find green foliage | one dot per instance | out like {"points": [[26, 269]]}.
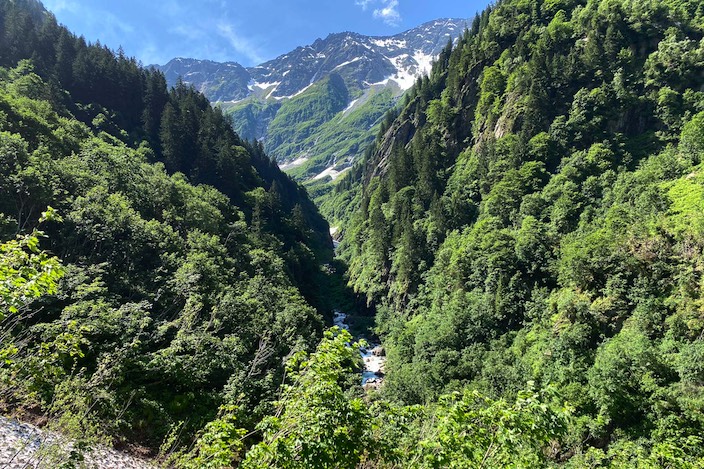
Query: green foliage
{"points": [[300, 116], [692, 139], [26, 272], [220, 445], [170, 305], [533, 213], [474, 431], [316, 424]]}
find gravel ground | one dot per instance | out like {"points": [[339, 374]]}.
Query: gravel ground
{"points": [[26, 446]]}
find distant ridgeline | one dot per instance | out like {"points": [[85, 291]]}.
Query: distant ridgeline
{"points": [[318, 107], [535, 211], [191, 262]]}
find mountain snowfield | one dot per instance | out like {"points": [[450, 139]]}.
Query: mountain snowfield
{"points": [[316, 127]]}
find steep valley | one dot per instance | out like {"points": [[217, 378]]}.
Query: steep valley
{"points": [[510, 209], [318, 107]]}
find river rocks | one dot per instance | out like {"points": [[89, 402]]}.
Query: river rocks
{"points": [[379, 351], [372, 384], [340, 320]]}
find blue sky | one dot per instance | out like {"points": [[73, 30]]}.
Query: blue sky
{"points": [[245, 31]]}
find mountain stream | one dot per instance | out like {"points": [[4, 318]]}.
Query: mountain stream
{"points": [[373, 356]]}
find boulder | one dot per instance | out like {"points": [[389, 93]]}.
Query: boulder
{"points": [[372, 384], [379, 351]]}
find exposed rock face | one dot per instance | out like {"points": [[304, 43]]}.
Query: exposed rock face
{"points": [[372, 385], [360, 60], [218, 81]]}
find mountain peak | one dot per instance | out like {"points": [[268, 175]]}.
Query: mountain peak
{"points": [[360, 60], [295, 102]]}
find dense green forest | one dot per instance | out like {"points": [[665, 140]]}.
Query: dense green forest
{"points": [[528, 229], [190, 264], [535, 213]]}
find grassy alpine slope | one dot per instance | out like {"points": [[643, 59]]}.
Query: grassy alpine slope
{"points": [[315, 127]]}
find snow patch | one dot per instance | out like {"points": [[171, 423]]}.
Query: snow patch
{"points": [[349, 107], [424, 61], [356, 59], [406, 76], [390, 42], [329, 172], [265, 86], [234, 101], [271, 86], [379, 83], [293, 164], [404, 79], [303, 90]]}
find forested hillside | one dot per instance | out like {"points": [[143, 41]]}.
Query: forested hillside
{"points": [[535, 213], [528, 228], [190, 263]]}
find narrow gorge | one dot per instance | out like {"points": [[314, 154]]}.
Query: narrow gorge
{"points": [[373, 355], [508, 210]]}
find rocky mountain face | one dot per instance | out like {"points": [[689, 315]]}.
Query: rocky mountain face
{"points": [[360, 60], [218, 81], [296, 102]]}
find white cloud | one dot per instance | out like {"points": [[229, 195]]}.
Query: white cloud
{"points": [[240, 44], [387, 11], [363, 3], [190, 32], [150, 54]]}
